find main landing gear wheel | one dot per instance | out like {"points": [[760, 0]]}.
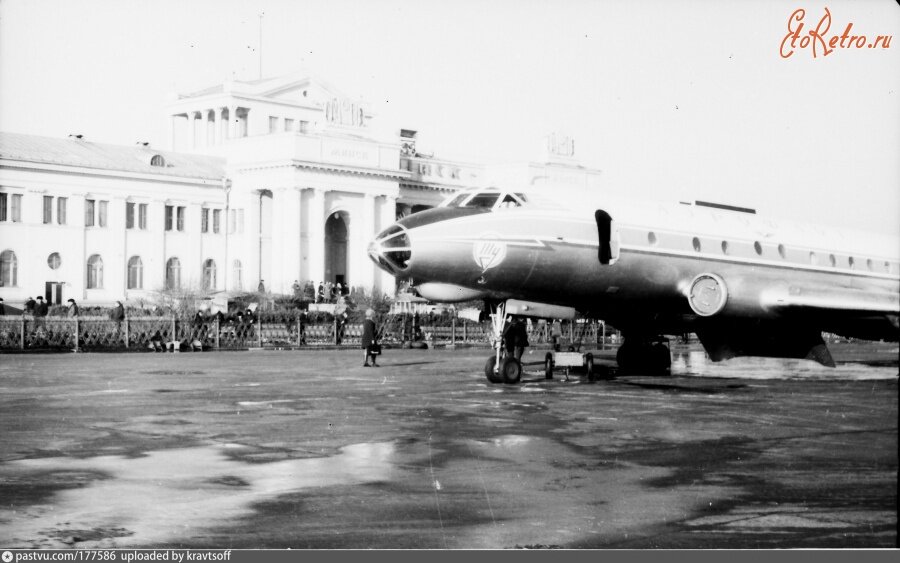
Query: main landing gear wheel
{"points": [[490, 372], [589, 367], [644, 357], [511, 370], [548, 366]]}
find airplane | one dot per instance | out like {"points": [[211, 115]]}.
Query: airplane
{"points": [[746, 285]]}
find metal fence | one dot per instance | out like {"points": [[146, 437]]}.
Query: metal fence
{"points": [[18, 333]]}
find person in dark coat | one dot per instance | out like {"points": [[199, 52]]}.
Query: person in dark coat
{"points": [[41, 309], [156, 342], [30, 304], [2, 307], [73, 308], [369, 337], [515, 338]]}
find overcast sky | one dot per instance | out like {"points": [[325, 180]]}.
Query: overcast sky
{"points": [[671, 99]]}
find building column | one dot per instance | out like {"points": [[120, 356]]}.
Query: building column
{"points": [[192, 130], [317, 235], [290, 235], [172, 128], [365, 276], [275, 277], [231, 127], [217, 125], [388, 216], [251, 241], [222, 130]]}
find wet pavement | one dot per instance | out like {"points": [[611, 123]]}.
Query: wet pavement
{"points": [[311, 450]]}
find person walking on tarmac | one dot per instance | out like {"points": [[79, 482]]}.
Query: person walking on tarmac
{"points": [[369, 338], [515, 338]]}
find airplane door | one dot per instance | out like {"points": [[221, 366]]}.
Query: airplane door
{"points": [[608, 250]]}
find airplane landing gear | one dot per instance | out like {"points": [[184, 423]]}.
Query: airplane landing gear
{"points": [[511, 370], [644, 357], [491, 372]]}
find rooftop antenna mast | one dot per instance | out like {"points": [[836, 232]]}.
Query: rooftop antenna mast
{"points": [[261, 14]]}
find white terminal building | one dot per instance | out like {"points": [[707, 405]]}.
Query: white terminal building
{"points": [[280, 180]]}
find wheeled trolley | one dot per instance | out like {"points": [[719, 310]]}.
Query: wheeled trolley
{"points": [[583, 362]]}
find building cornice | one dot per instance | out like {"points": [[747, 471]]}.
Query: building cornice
{"points": [[397, 175], [13, 164]]}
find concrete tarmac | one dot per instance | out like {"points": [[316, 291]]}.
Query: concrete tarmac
{"points": [[308, 449]]}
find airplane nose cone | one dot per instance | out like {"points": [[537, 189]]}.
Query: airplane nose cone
{"points": [[391, 250]]}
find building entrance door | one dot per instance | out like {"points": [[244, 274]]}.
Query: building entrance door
{"points": [[53, 293], [336, 248]]}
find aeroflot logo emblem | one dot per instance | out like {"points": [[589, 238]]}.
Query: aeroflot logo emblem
{"points": [[488, 253]]}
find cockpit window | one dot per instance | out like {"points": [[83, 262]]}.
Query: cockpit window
{"points": [[509, 200], [484, 199], [456, 201]]}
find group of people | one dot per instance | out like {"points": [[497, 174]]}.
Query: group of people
{"points": [[38, 308]]}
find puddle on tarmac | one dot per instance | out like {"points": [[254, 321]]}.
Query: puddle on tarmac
{"points": [[167, 494], [696, 363]]}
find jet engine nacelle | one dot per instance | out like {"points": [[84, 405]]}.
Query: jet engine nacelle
{"points": [[447, 293]]}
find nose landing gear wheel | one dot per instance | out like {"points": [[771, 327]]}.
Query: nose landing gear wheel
{"points": [[492, 375], [511, 370], [589, 367]]}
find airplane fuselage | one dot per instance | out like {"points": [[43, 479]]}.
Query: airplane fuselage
{"points": [[665, 269]]}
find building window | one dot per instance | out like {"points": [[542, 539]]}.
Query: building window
{"points": [[232, 219], [48, 209], [61, 210], [9, 269], [129, 215], [179, 213], [54, 261], [142, 216], [209, 274], [95, 272], [89, 205], [273, 124], [237, 275], [157, 160], [303, 127], [173, 273], [169, 214], [102, 213], [204, 220], [288, 124], [240, 221], [11, 207], [696, 243], [217, 215], [135, 273]]}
